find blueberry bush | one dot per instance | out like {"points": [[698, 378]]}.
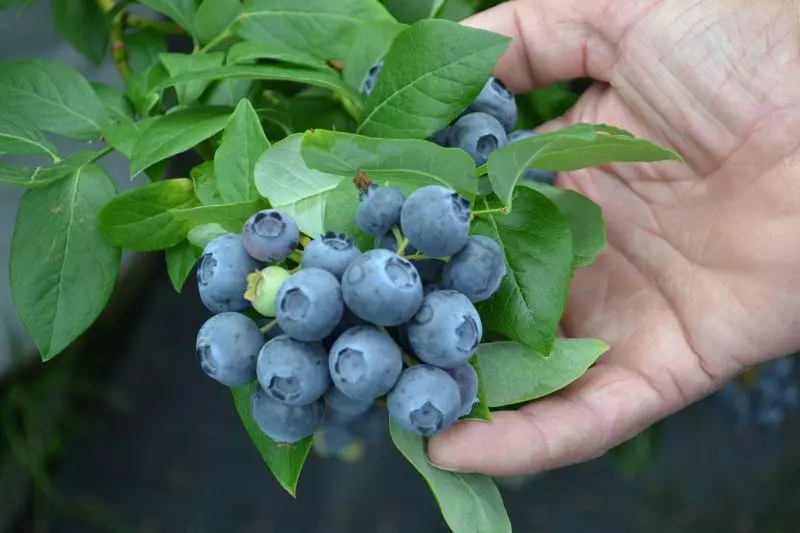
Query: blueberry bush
{"points": [[370, 230]]}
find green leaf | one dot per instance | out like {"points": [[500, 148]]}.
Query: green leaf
{"points": [[369, 43], [176, 133], [550, 102], [317, 78], [340, 208], [181, 259], [180, 11], [124, 135], [38, 177], [635, 455], [512, 373], [243, 142], [143, 88], [282, 177], [406, 163], [249, 51], [62, 272], [143, 48], [284, 460], [584, 218], [51, 96], [469, 503], [177, 64], [409, 11], [480, 410], [457, 10], [213, 17], [19, 136], [205, 184], [84, 25], [538, 247], [414, 99], [310, 110], [203, 234], [572, 148], [318, 27], [140, 219], [227, 92], [230, 216], [116, 105]]}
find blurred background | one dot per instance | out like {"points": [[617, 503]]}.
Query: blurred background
{"points": [[124, 433]]}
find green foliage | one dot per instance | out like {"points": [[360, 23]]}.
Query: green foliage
{"points": [[84, 25], [243, 142], [181, 259], [19, 136]]}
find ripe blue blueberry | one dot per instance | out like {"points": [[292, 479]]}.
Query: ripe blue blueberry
{"points": [[379, 209], [270, 235], [446, 330], [284, 423], [292, 372], [542, 176], [429, 269], [332, 252], [478, 134], [496, 100], [337, 401], [227, 348], [222, 274], [436, 221], [477, 270], [467, 380], [441, 137], [426, 400], [365, 363], [309, 304], [382, 288], [372, 78]]}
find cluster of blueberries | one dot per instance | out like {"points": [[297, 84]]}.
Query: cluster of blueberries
{"points": [[345, 322], [486, 125]]}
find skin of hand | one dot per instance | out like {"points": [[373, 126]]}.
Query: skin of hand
{"points": [[701, 278]]}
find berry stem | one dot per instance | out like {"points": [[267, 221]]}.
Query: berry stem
{"points": [[402, 248], [408, 360], [295, 269], [269, 326], [497, 211], [296, 256]]}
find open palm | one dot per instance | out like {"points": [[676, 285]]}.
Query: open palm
{"points": [[702, 273]]}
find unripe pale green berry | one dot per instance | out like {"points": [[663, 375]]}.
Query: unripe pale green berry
{"points": [[262, 289]]}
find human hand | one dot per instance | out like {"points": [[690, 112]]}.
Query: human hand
{"points": [[701, 278]]}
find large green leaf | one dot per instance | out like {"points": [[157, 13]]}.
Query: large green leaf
{"points": [[38, 177], [143, 88], [406, 163], [230, 216], [205, 183], [181, 11], [282, 177], [62, 272], [213, 17], [584, 218], [457, 10], [470, 503], [340, 208], [318, 27], [369, 43], [143, 47], [140, 219], [181, 259], [176, 133], [513, 373], [243, 142], [84, 25], [51, 96], [284, 460], [574, 147], [19, 136], [227, 92], [414, 99], [177, 64], [249, 51], [124, 135], [409, 11], [311, 110], [116, 105], [538, 248], [203, 234]]}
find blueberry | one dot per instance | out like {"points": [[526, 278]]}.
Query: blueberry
{"points": [[365, 363], [337, 401], [436, 221], [382, 288], [332, 252], [284, 423], [441, 137], [467, 380], [496, 100], [478, 134], [227, 348], [542, 176], [262, 289], [349, 320], [477, 270], [379, 209], [222, 274], [429, 269], [446, 330], [426, 400], [372, 78], [293, 372], [270, 235], [309, 304]]}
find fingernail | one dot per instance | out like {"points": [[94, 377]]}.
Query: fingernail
{"points": [[445, 468]]}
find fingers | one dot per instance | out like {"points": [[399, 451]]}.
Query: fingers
{"points": [[552, 40], [606, 407]]}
